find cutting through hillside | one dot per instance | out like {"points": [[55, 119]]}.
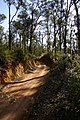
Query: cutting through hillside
{"points": [[17, 95]]}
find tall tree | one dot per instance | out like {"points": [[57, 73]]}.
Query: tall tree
{"points": [[60, 23], [17, 4], [78, 22], [31, 29]]}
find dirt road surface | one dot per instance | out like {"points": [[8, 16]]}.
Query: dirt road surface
{"points": [[18, 95]]}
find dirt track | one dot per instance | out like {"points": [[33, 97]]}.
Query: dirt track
{"points": [[21, 92]]}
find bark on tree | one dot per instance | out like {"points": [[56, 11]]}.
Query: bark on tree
{"points": [[31, 34], [9, 28], [78, 24]]}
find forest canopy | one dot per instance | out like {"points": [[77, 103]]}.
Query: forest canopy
{"points": [[42, 26]]}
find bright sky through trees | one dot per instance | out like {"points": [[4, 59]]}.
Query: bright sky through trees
{"points": [[4, 10]]}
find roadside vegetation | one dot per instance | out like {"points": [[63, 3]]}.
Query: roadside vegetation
{"points": [[59, 99]]}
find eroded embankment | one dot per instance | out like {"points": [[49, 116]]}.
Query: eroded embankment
{"points": [[14, 69], [17, 96]]}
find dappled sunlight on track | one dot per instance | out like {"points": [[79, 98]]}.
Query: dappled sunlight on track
{"points": [[23, 91]]}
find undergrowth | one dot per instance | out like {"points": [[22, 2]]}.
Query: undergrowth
{"points": [[59, 98], [6, 56], [18, 54]]}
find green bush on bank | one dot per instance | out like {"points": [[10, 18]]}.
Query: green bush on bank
{"points": [[60, 96], [5, 55], [68, 104], [18, 54]]}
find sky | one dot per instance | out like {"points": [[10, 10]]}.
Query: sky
{"points": [[4, 10]]}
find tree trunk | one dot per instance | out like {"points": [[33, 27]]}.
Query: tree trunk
{"points": [[48, 36], [9, 28], [54, 44], [60, 36], [42, 44], [78, 25], [70, 41], [60, 27], [65, 34], [31, 34]]}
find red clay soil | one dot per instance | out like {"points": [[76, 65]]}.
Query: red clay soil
{"points": [[18, 95]]}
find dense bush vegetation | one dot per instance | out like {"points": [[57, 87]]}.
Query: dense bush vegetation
{"points": [[60, 96], [6, 56], [18, 54]]}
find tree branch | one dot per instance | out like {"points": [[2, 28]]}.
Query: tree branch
{"points": [[14, 15]]}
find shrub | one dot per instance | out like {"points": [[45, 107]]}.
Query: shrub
{"points": [[60, 97], [18, 54], [5, 55]]}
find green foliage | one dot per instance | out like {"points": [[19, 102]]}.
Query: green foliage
{"points": [[75, 70], [71, 92], [60, 96], [5, 55], [68, 97], [18, 54], [38, 50], [61, 66], [2, 17]]}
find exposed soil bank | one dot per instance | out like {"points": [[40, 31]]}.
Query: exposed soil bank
{"points": [[15, 69], [17, 96]]}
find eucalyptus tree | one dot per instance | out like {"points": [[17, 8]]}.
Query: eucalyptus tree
{"points": [[63, 8], [55, 18], [77, 6], [47, 14], [65, 25], [17, 4], [46, 23], [35, 12], [60, 22], [22, 27]]}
